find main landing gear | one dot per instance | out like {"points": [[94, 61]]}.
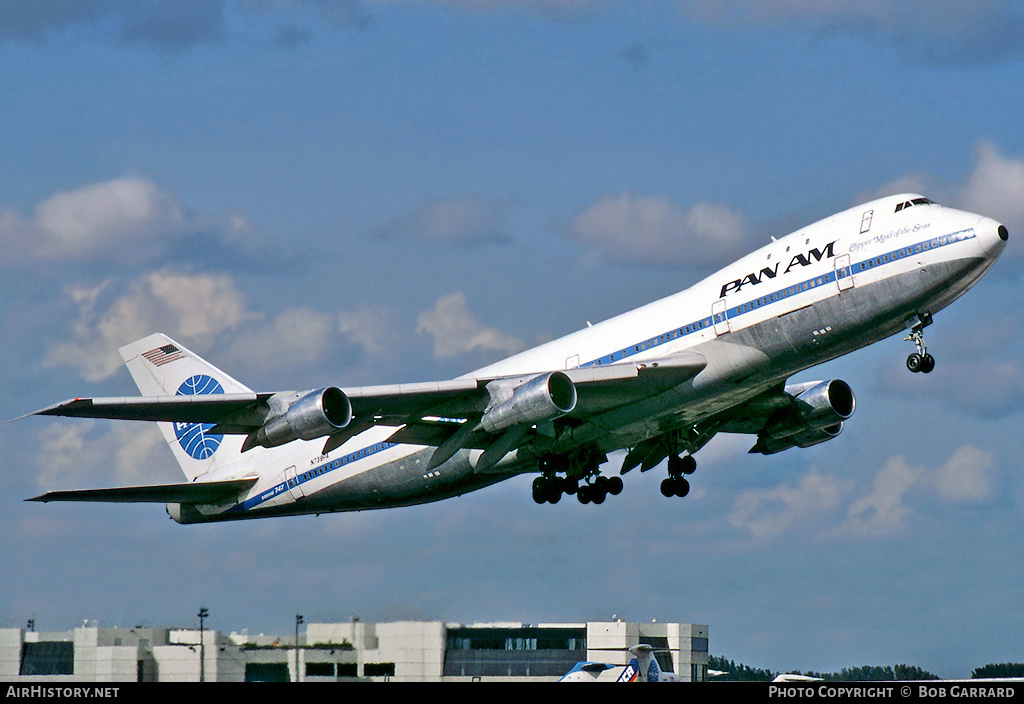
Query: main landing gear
{"points": [[549, 489], [676, 484], [582, 466], [582, 477], [920, 361]]}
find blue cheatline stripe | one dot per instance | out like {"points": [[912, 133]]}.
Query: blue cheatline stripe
{"points": [[309, 475], [674, 334], [779, 295]]}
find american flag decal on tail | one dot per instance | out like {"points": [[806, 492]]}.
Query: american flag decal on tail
{"points": [[160, 356]]}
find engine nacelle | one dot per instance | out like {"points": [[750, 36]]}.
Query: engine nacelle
{"points": [[542, 398], [826, 403], [768, 446], [314, 415], [817, 415], [817, 405]]}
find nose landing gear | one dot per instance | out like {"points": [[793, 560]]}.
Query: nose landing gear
{"points": [[920, 361]]}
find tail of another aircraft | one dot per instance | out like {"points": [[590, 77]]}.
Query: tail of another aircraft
{"points": [[650, 670], [162, 367]]}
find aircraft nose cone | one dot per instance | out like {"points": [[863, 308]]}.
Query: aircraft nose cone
{"points": [[993, 236]]}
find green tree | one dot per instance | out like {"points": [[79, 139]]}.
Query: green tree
{"points": [[877, 673], [865, 673], [1005, 669], [737, 673]]}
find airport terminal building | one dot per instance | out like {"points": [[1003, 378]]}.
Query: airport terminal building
{"points": [[403, 651]]}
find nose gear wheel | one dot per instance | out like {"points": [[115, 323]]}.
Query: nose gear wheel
{"points": [[920, 361]]}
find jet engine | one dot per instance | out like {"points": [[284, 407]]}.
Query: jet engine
{"points": [[816, 415], [769, 446], [314, 414], [541, 398]]}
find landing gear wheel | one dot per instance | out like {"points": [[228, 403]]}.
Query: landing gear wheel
{"points": [[540, 490], [915, 362], [615, 485], [920, 361], [923, 363], [682, 487], [591, 494], [668, 487], [681, 465], [927, 363], [584, 494], [675, 486], [549, 490]]}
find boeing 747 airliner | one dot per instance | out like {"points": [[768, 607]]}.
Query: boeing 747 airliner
{"points": [[659, 381]]}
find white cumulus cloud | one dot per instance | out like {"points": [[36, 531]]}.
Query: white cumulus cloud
{"points": [[84, 453], [968, 476], [883, 511], [193, 307], [294, 336], [651, 230], [128, 220], [455, 330], [461, 220], [995, 188], [766, 513]]}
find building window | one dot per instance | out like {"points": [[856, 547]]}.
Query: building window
{"points": [[47, 658], [267, 672], [319, 669], [379, 669]]}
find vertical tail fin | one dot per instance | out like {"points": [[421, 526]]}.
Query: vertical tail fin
{"points": [[650, 668], [162, 367], [630, 672]]}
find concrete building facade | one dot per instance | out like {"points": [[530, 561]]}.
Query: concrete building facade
{"points": [[401, 651]]}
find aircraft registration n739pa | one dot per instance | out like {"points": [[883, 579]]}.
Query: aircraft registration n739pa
{"points": [[659, 381]]}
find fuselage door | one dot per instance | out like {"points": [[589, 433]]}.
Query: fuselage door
{"points": [[294, 488], [844, 275], [865, 221], [720, 317]]}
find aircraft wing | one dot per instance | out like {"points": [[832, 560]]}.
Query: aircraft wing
{"points": [[178, 409], [598, 388], [419, 406], [497, 415], [612, 385], [191, 493]]}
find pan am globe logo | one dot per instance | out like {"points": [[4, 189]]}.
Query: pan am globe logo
{"points": [[195, 438]]}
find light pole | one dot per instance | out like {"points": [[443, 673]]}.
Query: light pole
{"points": [[298, 620], [203, 613]]}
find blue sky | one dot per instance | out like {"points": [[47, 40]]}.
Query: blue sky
{"points": [[313, 192]]}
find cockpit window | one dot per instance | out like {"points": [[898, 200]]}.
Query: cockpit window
{"points": [[915, 201]]}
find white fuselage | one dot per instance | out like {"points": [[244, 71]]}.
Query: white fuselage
{"points": [[818, 293]]}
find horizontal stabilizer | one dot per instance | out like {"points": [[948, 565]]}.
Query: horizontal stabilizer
{"points": [[192, 493]]}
